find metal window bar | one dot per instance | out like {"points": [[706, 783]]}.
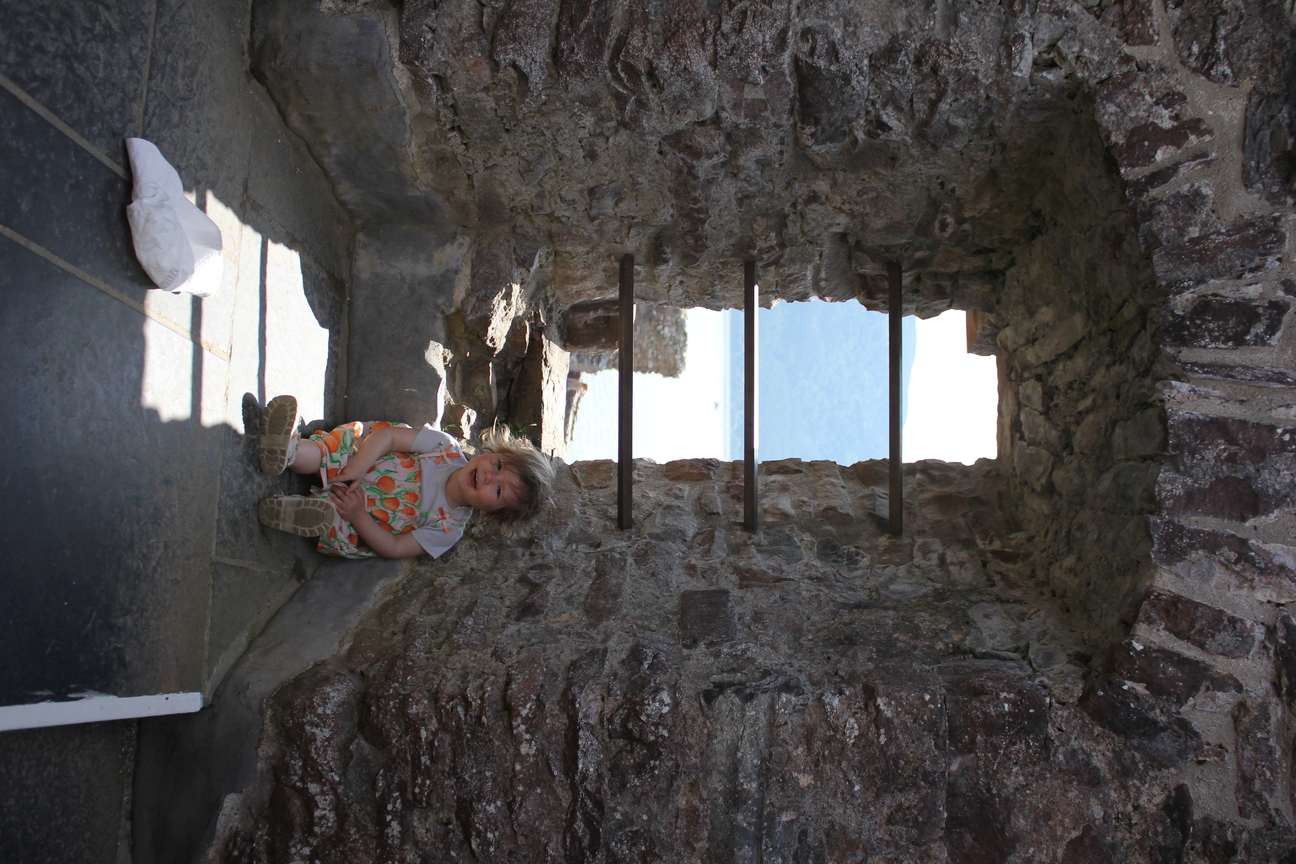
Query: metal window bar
{"points": [[895, 496], [751, 397], [625, 396]]}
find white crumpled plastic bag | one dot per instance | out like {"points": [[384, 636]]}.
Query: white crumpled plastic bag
{"points": [[177, 244]]}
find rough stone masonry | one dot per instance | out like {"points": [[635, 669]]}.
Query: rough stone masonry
{"points": [[1079, 652]]}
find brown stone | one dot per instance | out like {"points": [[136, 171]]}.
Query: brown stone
{"points": [[1138, 189], [1133, 717], [1206, 627], [1032, 465], [1143, 435], [603, 599], [1087, 847], [1217, 322], [1285, 658], [1226, 497], [1261, 772], [538, 398], [593, 327], [1179, 216], [1265, 376], [1164, 673], [1150, 143], [1267, 572], [690, 470], [1239, 250], [706, 618], [1137, 22]]}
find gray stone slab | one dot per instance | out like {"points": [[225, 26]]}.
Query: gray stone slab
{"points": [[56, 194], [192, 762], [243, 599], [84, 61], [198, 111], [108, 528], [398, 302], [286, 185], [75, 778]]}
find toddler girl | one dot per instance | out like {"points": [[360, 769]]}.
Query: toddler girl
{"points": [[393, 490]]}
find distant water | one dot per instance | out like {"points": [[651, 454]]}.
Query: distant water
{"points": [[823, 381]]}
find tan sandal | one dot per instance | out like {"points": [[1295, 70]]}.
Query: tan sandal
{"points": [[305, 517], [279, 436]]}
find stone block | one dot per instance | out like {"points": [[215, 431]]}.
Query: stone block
{"points": [[1264, 376], [1055, 341], [690, 470], [1220, 322], [995, 711], [1138, 189], [1179, 216], [1226, 561], [1261, 766], [1241, 249], [1032, 465], [1142, 435], [494, 292], [538, 398], [1137, 23], [1091, 435], [1088, 847], [1031, 394], [603, 597], [1285, 658], [1039, 431], [1228, 497], [1231, 468], [706, 618], [1150, 143], [1166, 743], [1133, 99], [593, 326], [1165, 674], [1206, 627]]}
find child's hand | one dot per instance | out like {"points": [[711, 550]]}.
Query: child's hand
{"points": [[349, 500], [349, 474]]}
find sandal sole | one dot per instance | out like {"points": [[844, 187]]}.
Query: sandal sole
{"points": [[305, 517], [278, 426]]}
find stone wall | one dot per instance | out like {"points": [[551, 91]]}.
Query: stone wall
{"points": [[686, 691], [1081, 652]]}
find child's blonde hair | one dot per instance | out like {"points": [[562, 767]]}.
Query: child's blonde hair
{"points": [[534, 469]]}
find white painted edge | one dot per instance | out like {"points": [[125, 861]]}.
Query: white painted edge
{"points": [[96, 708]]}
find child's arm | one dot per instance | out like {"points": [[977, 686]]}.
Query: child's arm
{"points": [[376, 445], [350, 502]]}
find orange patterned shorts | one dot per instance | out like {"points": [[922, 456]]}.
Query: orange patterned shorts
{"points": [[392, 488]]}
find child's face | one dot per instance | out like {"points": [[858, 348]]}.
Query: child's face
{"points": [[487, 483]]}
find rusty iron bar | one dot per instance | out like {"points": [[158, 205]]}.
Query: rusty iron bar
{"points": [[625, 397], [895, 495], [751, 396]]}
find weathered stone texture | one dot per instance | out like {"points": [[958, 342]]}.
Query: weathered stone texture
{"points": [[820, 691], [808, 691]]}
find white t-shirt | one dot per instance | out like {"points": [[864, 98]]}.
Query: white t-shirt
{"points": [[440, 455]]}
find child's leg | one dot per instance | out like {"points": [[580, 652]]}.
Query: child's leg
{"points": [[309, 457]]}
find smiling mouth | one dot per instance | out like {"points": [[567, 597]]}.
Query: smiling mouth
{"points": [[473, 478]]}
